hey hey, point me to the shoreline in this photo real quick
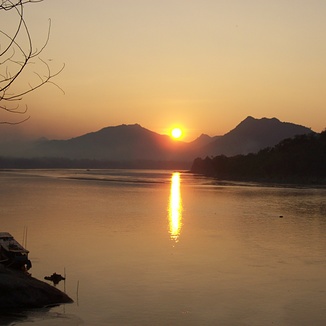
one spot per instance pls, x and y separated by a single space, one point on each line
22 291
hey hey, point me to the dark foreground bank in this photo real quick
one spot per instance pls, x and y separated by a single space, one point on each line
19 290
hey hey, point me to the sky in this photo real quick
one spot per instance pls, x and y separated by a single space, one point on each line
204 65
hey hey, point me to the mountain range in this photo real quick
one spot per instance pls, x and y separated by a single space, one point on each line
127 143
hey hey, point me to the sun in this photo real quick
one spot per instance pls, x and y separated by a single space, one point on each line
176 133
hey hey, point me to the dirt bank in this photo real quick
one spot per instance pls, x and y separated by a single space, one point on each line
19 290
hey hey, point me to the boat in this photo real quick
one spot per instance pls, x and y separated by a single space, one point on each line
13 254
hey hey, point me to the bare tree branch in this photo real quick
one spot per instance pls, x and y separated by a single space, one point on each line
16 56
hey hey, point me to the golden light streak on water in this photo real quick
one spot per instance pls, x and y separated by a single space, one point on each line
175 207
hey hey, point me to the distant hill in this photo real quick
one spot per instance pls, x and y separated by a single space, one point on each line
131 143
251 135
202 141
301 159
123 143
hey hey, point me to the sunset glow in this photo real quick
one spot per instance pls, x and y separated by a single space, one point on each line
157 62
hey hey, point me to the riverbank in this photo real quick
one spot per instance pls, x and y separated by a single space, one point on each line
19 290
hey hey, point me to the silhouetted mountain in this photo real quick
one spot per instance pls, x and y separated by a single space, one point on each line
202 141
252 134
122 143
131 143
301 159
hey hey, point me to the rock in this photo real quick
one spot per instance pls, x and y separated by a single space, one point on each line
19 290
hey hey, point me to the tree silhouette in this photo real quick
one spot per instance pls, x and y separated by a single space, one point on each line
17 53
298 159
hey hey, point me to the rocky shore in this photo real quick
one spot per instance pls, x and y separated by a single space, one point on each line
19 290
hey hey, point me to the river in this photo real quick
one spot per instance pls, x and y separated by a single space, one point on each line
150 247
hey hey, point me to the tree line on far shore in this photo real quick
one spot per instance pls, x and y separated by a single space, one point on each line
298 159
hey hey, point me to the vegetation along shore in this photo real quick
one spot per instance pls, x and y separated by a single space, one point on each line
301 159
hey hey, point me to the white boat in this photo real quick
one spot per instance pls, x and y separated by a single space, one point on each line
13 254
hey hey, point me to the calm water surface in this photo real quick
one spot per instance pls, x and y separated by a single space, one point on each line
164 248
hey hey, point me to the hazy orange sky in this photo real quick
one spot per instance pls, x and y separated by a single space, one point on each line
202 64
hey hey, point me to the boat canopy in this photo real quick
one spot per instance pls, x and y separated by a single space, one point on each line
6 236
8 243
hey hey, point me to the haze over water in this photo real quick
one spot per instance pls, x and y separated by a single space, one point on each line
165 248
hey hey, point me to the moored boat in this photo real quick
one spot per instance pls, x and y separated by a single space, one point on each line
13 254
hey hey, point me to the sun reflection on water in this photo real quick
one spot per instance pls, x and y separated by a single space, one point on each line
175 208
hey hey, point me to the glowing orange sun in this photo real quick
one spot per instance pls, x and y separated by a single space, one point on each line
176 133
